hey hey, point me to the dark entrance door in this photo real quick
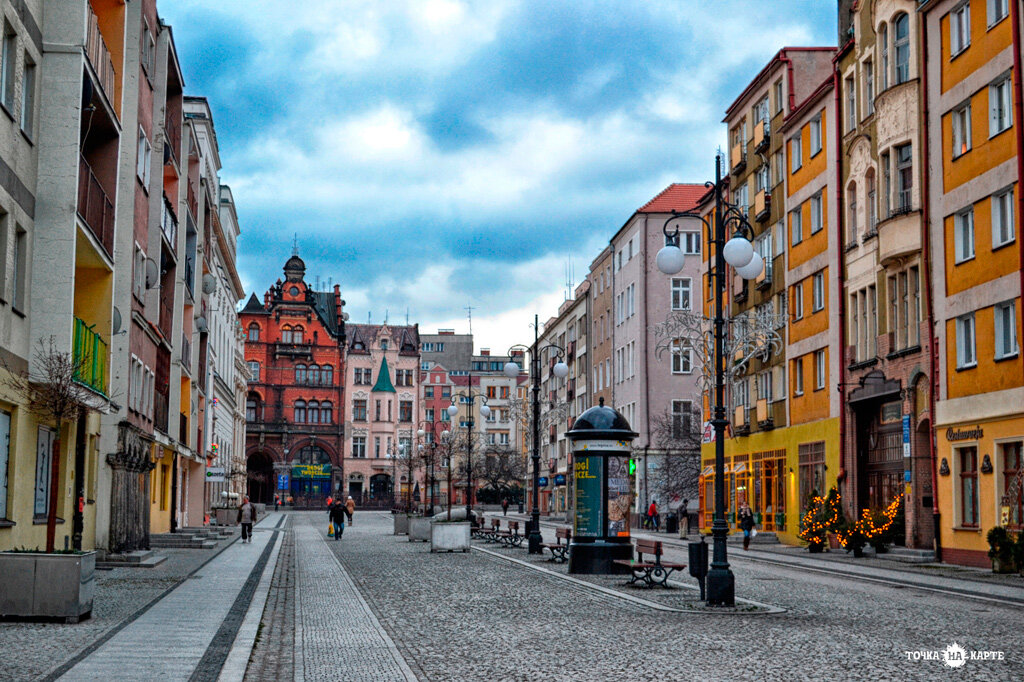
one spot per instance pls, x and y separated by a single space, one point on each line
260 478
879 455
380 488
355 490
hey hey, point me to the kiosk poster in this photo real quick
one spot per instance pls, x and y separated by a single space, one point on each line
619 497
589 472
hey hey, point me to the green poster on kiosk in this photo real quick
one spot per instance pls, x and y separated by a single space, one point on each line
589 472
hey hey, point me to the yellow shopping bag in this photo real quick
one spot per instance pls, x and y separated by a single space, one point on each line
330 530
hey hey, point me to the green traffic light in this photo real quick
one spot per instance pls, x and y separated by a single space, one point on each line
632 467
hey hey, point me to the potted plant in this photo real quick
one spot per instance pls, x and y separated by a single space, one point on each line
824 515
853 537
1002 550
450 536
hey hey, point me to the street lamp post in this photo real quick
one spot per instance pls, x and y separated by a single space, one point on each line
561 370
421 432
739 253
470 399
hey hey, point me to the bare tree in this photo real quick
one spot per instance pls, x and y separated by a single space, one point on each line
502 467
678 438
53 393
407 460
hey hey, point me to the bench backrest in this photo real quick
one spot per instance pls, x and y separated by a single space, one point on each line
513 526
495 524
649 547
563 534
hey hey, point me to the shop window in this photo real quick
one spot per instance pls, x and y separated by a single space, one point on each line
812 471
1013 495
968 461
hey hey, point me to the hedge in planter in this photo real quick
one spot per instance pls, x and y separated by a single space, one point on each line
1002 550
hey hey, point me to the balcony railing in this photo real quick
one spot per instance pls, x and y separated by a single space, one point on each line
99 56
190 276
90 357
186 353
193 204
169 223
173 136
166 317
94 206
161 401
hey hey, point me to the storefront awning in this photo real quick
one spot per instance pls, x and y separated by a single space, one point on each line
740 468
708 471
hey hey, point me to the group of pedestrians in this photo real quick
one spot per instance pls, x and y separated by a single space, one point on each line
338 512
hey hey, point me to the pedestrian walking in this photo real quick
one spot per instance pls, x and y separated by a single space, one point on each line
745 516
652 515
350 506
246 517
337 516
277 502
504 506
330 501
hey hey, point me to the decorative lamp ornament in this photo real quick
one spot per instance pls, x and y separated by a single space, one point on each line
453 410
511 370
445 435
485 411
738 252
751 269
421 433
670 259
561 369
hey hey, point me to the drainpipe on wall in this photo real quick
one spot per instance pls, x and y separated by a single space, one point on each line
840 264
933 355
647 383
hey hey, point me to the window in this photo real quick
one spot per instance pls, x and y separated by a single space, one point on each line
961 129
376 408
682 419
250 410
1011 458
851 104
28 97
300 374
798 301
144 158
901 43
296 335
682 357
777 95
959 29
887 183
795 226
446 391
815 135
764 386
1000 115
968 457
691 242
10 63
883 41
1006 330
327 412
872 201
44 453
428 391
869 87
680 293
254 332
778 167
819 370
313 412
812 470
300 412
965 356
1002 218
405 410
254 370
798 376
904 177
817 291
816 213
376 447
914 307
997 11
963 234
795 154
851 207
504 392
148 56
326 375
359 447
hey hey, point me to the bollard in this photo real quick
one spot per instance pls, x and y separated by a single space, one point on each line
699 563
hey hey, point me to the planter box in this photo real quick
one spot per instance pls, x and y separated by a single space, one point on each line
47 585
419 529
401 524
227 517
450 537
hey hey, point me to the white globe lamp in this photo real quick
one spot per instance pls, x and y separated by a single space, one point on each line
453 410
738 252
670 259
485 411
561 369
511 370
751 269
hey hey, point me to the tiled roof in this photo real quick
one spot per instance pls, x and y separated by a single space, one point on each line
253 305
676 197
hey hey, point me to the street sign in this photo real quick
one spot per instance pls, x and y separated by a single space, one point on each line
282 481
906 436
215 475
709 433
559 479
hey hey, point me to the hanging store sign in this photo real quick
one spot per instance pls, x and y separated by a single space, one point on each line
542 482
559 479
282 481
215 475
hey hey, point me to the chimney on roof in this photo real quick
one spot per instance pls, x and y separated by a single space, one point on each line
485 351
446 332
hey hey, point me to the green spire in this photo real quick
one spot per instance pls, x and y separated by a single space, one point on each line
384 379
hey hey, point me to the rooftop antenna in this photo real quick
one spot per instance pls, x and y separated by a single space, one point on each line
469 315
369 317
385 316
295 245
406 316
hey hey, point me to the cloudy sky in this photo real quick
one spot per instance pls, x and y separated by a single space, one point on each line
438 154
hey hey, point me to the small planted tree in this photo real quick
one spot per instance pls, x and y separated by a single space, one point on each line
824 515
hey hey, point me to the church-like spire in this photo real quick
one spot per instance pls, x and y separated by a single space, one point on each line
384 379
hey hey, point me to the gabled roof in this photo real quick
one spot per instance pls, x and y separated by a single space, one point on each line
676 197
383 384
253 305
324 305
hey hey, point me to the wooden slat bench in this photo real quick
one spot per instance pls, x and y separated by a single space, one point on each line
649 572
559 549
510 537
482 530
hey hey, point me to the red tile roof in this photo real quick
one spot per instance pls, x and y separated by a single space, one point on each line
676 197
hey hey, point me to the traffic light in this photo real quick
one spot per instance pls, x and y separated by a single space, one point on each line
632 466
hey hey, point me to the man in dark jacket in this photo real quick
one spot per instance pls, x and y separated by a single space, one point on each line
337 516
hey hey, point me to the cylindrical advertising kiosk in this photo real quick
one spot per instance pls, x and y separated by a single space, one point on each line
601 439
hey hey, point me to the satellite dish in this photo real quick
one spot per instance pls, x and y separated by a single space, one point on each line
209 283
115 321
344 317
152 274
201 325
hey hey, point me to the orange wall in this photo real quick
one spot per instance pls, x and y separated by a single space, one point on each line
988 375
984 44
812 167
812 323
813 404
986 264
985 153
110 18
811 245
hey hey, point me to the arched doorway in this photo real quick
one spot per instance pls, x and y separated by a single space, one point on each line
259 474
380 488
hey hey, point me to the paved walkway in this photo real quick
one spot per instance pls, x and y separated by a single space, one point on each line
188 634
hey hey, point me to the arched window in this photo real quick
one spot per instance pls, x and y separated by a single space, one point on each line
901 37
327 375
300 412
314 454
851 214
254 332
296 334
314 375
252 407
883 43
300 374
313 412
286 334
383 344
326 412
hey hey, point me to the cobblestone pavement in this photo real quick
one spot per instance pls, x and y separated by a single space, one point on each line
475 617
273 656
32 650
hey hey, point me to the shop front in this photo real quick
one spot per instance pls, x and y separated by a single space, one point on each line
310 484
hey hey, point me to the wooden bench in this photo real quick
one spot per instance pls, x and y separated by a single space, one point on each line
479 530
487 532
510 537
559 550
649 572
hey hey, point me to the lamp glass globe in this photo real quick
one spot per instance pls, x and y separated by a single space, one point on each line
453 410
485 411
670 259
751 269
421 433
561 370
511 370
738 252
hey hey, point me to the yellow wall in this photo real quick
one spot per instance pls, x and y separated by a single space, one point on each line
812 323
160 493
985 153
812 166
985 42
814 403
988 375
986 264
812 244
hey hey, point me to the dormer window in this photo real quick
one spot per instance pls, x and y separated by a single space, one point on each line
358 345
383 344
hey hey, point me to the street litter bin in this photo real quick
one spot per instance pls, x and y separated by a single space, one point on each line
672 523
699 563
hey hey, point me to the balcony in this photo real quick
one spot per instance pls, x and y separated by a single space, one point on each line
193 205
190 276
186 353
899 236
94 206
172 131
183 429
762 206
99 56
739 157
740 427
765 418
762 136
161 403
166 318
169 224
89 352
764 280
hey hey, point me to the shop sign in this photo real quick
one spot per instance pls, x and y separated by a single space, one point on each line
589 474
215 475
542 482
559 479
282 481
906 436
619 496
311 470
952 435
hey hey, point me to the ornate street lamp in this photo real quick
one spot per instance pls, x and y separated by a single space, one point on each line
739 253
432 429
470 397
560 370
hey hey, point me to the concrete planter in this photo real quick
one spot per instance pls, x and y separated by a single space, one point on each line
419 529
47 585
450 537
227 517
401 524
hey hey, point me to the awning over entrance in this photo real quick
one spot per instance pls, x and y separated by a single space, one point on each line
874 386
708 471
